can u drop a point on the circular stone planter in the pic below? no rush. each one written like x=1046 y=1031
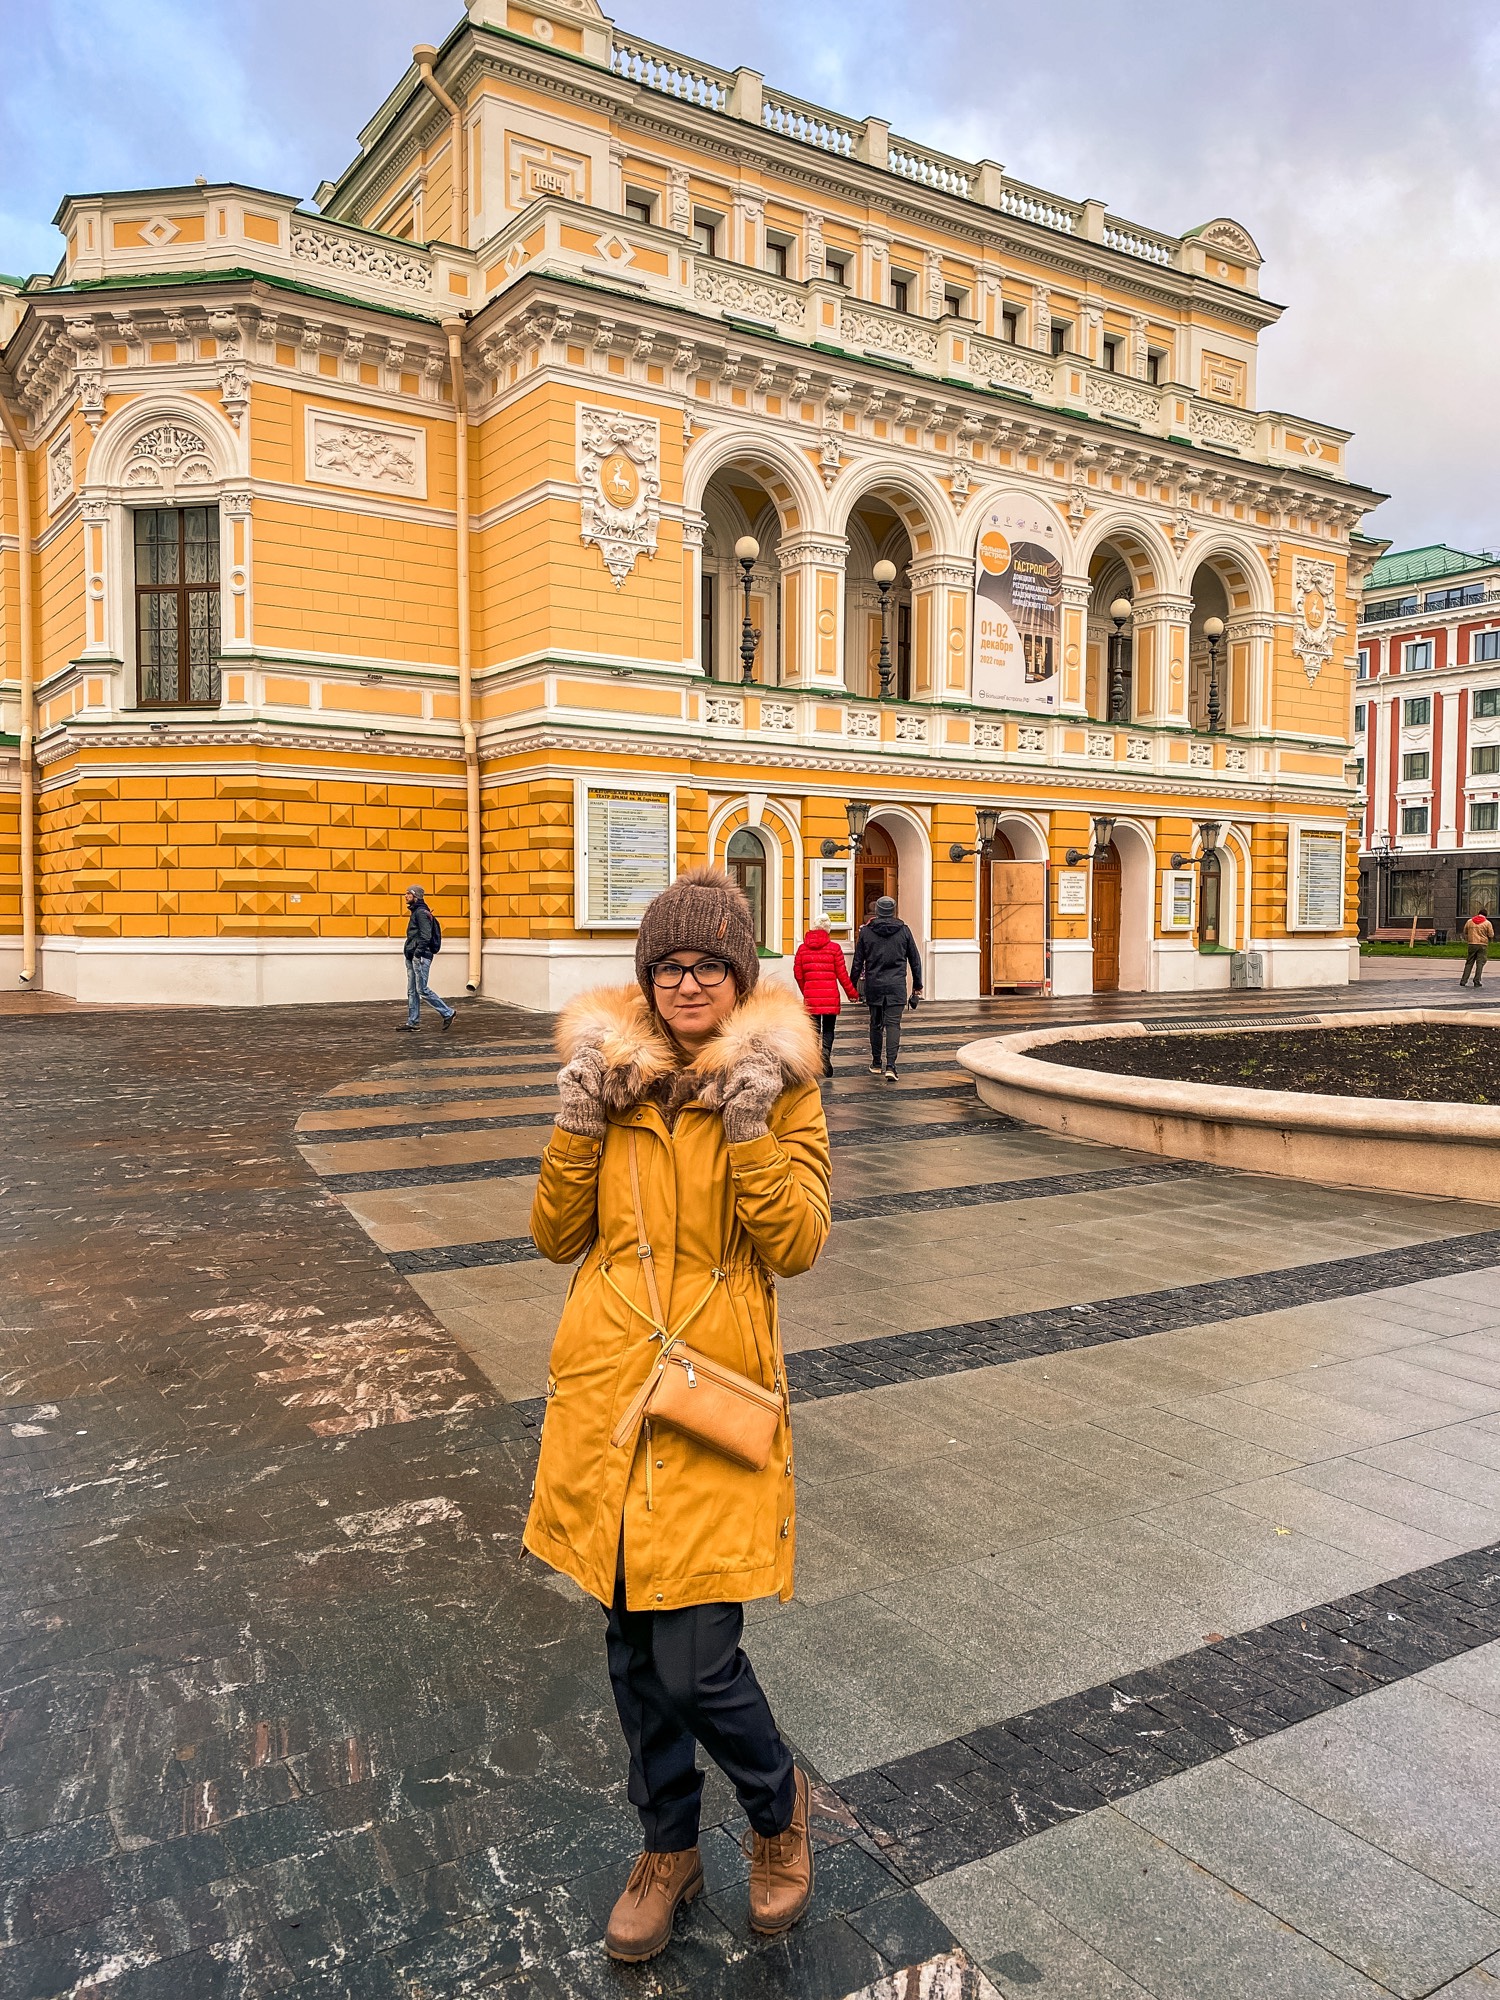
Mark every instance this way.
x=1381 y=1142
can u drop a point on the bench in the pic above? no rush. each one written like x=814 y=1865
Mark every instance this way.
x=1405 y=935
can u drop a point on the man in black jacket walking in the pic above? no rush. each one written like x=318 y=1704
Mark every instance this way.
x=882 y=953
x=423 y=941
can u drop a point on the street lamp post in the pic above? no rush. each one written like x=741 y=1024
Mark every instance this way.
x=885 y=576
x=747 y=551
x=1119 y=611
x=1213 y=631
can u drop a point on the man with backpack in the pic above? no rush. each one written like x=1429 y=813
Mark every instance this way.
x=424 y=940
x=883 y=952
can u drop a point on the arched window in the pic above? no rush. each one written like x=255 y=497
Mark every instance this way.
x=747 y=866
x=1210 y=885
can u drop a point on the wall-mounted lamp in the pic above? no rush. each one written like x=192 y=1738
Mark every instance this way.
x=1208 y=839
x=1104 y=836
x=747 y=553
x=1213 y=631
x=885 y=576
x=986 y=822
x=857 y=812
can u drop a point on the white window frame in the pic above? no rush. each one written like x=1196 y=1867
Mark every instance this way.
x=778 y=239
x=1299 y=831
x=707 y=218
x=1484 y=805
x=648 y=199
x=1363 y=672
x=1490 y=633
x=1361 y=717
x=1423 y=806
x=599 y=782
x=1409 y=652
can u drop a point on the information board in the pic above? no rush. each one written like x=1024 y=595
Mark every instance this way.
x=831 y=893
x=1320 y=880
x=1177 y=900
x=1072 y=893
x=627 y=853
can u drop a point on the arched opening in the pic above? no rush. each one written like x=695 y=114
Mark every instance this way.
x=1105 y=929
x=1013 y=911
x=737 y=502
x=1208 y=668
x=1219 y=695
x=876 y=534
x=1137 y=853
x=1120 y=570
x=746 y=858
x=879 y=872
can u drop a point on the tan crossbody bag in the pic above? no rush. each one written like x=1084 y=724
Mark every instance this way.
x=714 y=1405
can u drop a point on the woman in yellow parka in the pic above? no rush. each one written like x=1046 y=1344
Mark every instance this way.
x=713 y=1084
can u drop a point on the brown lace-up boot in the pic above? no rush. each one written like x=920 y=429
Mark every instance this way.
x=640 y=1924
x=781 y=1871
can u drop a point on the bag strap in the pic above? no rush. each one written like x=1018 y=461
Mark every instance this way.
x=642 y=1247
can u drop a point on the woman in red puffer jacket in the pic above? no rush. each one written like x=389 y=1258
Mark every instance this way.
x=820 y=971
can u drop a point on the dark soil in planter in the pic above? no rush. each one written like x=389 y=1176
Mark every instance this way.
x=1424 y=1064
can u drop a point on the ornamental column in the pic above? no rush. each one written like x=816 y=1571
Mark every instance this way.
x=1251 y=648
x=1073 y=661
x=942 y=598
x=1159 y=690
x=694 y=528
x=812 y=610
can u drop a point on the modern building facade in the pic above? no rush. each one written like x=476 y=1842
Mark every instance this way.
x=1426 y=731
x=630 y=465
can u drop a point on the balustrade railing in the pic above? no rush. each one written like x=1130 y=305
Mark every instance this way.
x=675 y=76
x=806 y=123
x=811 y=125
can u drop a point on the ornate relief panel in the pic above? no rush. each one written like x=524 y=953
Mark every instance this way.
x=60 y=472
x=619 y=469
x=1313 y=584
x=1223 y=379
x=534 y=169
x=167 y=459
x=364 y=453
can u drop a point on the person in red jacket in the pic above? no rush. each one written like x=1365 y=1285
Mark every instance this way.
x=820 y=971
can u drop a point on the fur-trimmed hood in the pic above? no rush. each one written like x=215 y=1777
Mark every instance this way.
x=635 y=1051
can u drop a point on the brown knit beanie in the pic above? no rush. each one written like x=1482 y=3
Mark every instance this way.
x=702 y=911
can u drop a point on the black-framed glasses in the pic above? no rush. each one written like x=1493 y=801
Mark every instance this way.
x=707 y=972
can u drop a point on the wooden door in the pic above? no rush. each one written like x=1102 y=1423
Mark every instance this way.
x=1018 y=924
x=1106 y=927
x=877 y=872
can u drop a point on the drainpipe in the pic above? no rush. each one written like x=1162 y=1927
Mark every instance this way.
x=28 y=701
x=454 y=328
x=424 y=55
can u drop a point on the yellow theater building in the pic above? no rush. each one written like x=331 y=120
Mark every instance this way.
x=626 y=465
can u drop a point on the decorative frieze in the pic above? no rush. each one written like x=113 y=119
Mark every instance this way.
x=1236 y=759
x=1138 y=749
x=989 y=735
x=362 y=452
x=723 y=711
x=360 y=256
x=752 y=297
x=861 y=722
x=167 y=458
x=1029 y=737
x=1201 y=756
x=777 y=715
x=1099 y=743
x=619 y=470
x=890 y=334
x=911 y=729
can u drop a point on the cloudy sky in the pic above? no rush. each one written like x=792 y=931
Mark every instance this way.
x=1354 y=138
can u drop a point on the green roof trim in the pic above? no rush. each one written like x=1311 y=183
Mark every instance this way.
x=1424 y=565
x=237 y=276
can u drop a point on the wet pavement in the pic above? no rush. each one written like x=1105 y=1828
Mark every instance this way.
x=1147 y=1638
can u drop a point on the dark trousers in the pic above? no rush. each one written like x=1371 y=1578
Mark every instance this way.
x=885 y=1027
x=680 y=1679
x=827 y=1025
x=1475 y=963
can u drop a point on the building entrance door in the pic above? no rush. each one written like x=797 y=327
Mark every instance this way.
x=1106 y=925
x=1015 y=930
x=877 y=871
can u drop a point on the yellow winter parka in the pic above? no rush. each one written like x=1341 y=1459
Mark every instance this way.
x=698 y=1528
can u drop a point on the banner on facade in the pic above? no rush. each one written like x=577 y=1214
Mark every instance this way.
x=1017 y=616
